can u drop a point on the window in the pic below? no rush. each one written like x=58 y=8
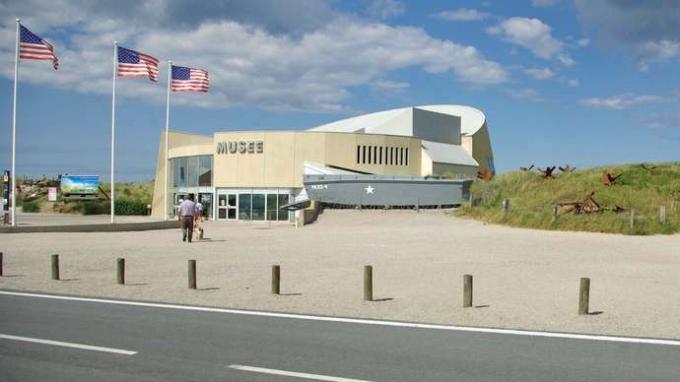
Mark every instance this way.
x=407 y=156
x=370 y=155
x=192 y=171
x=244 y=206
x=380 y=157
x=391 y=156
x=363 y=156
x=401 y=156
x=283 y=200
x=257 y=207
x=205 y=171
x=358 y=154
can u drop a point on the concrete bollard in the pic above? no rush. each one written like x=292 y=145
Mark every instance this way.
x=120 y=271
x=0 y=263
x=55 y=267
x=662 y=214
x=467 y=291
x=554 y=215
x=506 y=205
x=368 y=283
x=471 y=201
x=632 y=218
x=192 y=274
x=584 y=296
x=276 y=279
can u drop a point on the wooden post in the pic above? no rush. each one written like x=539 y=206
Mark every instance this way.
x=662 y=214
x=120 y=271
x=506 y=205
x=471 y=200
x=467 y=291
x=584 y=296
x=55 y=267
x=0 y=263
x=368 y=283
x=632 y=218
x=192 y=274
x=554 y=215
x=276 y=279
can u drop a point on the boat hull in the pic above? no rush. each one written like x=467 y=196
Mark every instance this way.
x=372 y=190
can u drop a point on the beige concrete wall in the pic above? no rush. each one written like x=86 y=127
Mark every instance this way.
x=181 y=144
x=282 y=162
x=426 y=164
x=453 y=171
x=481 y=147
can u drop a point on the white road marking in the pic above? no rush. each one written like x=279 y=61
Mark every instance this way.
x=67 y=344
x=316 y=377
x=415 y=325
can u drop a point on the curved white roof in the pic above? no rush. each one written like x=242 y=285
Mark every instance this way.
x=471 y=119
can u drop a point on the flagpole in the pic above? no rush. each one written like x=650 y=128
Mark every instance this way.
x=113 y=131
x=14 y=131
x=167 y=139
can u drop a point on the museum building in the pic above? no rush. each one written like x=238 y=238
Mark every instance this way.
x=257 y=175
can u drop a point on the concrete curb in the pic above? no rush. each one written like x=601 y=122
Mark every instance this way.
x=118 y=227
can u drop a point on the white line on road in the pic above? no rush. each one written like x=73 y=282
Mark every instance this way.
x=294 y=374
x=67 y=344
x=530 y=333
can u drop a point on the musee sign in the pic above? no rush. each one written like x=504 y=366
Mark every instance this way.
x=240 y=147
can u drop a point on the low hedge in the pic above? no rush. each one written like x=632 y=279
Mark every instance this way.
x=95 y=208
x=30 y=206
x=130 y=207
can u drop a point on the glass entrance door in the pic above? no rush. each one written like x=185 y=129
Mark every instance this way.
x=227 y=206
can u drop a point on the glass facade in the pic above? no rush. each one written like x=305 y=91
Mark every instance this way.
x=257 y=205
x=193 y=171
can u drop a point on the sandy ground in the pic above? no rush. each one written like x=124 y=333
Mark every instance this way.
x=522 y=278
x=49 y=219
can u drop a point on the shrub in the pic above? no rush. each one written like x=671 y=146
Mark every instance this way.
x=95 y=208
x=31 y=206
x=130 y=207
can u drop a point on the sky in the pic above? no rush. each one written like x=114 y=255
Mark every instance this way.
x=580 y=82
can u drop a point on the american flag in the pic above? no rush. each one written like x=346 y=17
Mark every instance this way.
x=189 y=79
x=32 y=47
x=135 y=64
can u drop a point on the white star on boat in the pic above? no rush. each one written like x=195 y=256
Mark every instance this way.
x=369 y=189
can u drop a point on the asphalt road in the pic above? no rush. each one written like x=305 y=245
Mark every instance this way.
x=186 y=345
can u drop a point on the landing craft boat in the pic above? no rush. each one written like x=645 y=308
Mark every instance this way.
x=394 y=191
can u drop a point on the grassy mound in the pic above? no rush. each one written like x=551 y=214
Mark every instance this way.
x=131 y=199
x=532 y=198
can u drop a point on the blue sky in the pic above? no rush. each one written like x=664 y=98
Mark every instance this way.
x=585 y=82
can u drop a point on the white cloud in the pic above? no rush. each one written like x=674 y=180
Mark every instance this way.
x=544 y=3
x=384 y=9
x=462 y=14
x=539 y=73
x=389 y=86
x=572 y=83
x=621 y=101
x=528 y=94
x=534 y=35
x=647 y=30
x=656 y=51
x=583 y=42
x=312 y=70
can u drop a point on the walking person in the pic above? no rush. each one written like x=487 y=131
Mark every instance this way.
x=198 y=220
x=187 y=211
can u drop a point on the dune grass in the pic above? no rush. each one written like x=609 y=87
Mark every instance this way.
x=532 y=199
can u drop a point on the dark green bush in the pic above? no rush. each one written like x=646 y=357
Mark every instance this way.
x=95 y=208
x=31 y=206
x=130 y=207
